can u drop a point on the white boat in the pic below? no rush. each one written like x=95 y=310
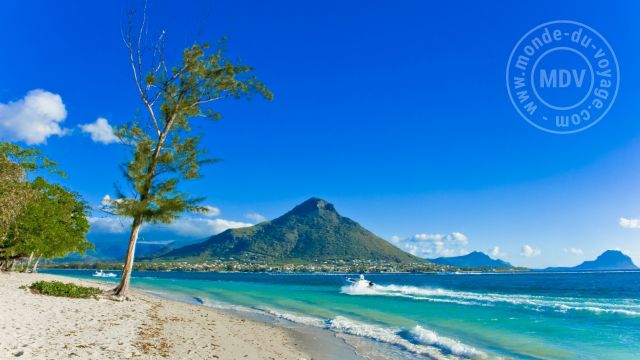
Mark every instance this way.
x=360 y=282
x=101 y=273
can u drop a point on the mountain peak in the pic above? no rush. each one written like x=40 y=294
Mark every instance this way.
x=611 y=253
x=312 y=204
x=311 y=231
x=608 y=260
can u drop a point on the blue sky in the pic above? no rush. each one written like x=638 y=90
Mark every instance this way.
x=396 y=113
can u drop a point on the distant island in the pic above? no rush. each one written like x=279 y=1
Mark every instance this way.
x=608 y=260
x=474 y=259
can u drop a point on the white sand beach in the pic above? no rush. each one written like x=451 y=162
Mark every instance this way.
x=36 y=326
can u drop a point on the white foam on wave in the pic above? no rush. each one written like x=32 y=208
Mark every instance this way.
x=428 y=337
x=297 y=318
x=424 y=342
x=228 y=307
x=533 y=302
x=419 y=341
x=412 y=292
x=389 y=336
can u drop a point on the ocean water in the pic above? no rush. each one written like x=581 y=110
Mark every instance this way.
x=440 y=316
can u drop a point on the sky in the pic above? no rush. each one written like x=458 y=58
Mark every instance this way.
x=397 y=113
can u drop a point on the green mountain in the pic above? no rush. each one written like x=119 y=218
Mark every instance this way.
x=313 y=230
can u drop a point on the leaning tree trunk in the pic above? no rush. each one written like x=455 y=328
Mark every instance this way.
x=35 y=265
x=122 y=289
x=28 y=264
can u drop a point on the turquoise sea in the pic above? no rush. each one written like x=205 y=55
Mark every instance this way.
x=441 y=316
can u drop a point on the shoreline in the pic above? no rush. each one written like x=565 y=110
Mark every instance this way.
x=146 y=327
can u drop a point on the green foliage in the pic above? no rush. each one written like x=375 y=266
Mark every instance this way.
x=15 y=194
x=165 y=151
x=28 y=159
x=58 y=288
x=52 y=225
x=37 y=218
x=311 y=231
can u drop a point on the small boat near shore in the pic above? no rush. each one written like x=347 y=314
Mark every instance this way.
x=103 y=274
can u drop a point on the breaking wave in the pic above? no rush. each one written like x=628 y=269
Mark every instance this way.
x=417 y=340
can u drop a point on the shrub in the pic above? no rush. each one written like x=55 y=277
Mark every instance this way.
x=58 y=288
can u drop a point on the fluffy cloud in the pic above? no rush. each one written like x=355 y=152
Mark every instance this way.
x=100 y=131
x=212 y=211
x=528 y=251
x=106 y=200
x=433 y=245
x=629 y=223
x=255 y=217
x=185 y=226
x=495 y=252
x=573 y=251
x=33 y=118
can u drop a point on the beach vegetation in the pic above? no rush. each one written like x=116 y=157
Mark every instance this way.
x=61 y=289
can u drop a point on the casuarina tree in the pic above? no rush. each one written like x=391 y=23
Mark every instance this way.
x=164 y=148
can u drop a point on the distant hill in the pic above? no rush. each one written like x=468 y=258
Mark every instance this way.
x=313 y=230
x=475 y=259
x=113 y=247
x=608 y=260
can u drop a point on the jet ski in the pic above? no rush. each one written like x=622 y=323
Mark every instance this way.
x=103 y=274
x=360 y=282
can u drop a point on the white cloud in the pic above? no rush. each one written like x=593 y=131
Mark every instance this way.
x=255 y=217
x=200 y=227
x=495 y=252
x=573 y=251
x=156 y=242
x=629 y=223
x=100 y=131
x=110 y=224
x=433 y=245
x=184 y=226
x=33 y=118
x=528 y=251
x=212 y=211
x=106 y=200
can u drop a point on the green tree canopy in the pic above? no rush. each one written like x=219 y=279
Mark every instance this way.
x=53 y=225
x=15 y=194
x=37 y=218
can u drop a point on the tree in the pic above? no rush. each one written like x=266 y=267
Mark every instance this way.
x=15 y=163
x=15 y=192
x=38 y=218
x=53 y=225
x=164 y=148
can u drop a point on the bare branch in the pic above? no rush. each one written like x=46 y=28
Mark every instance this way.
x=206 y=101
x=139 y=49
x=137 y=70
